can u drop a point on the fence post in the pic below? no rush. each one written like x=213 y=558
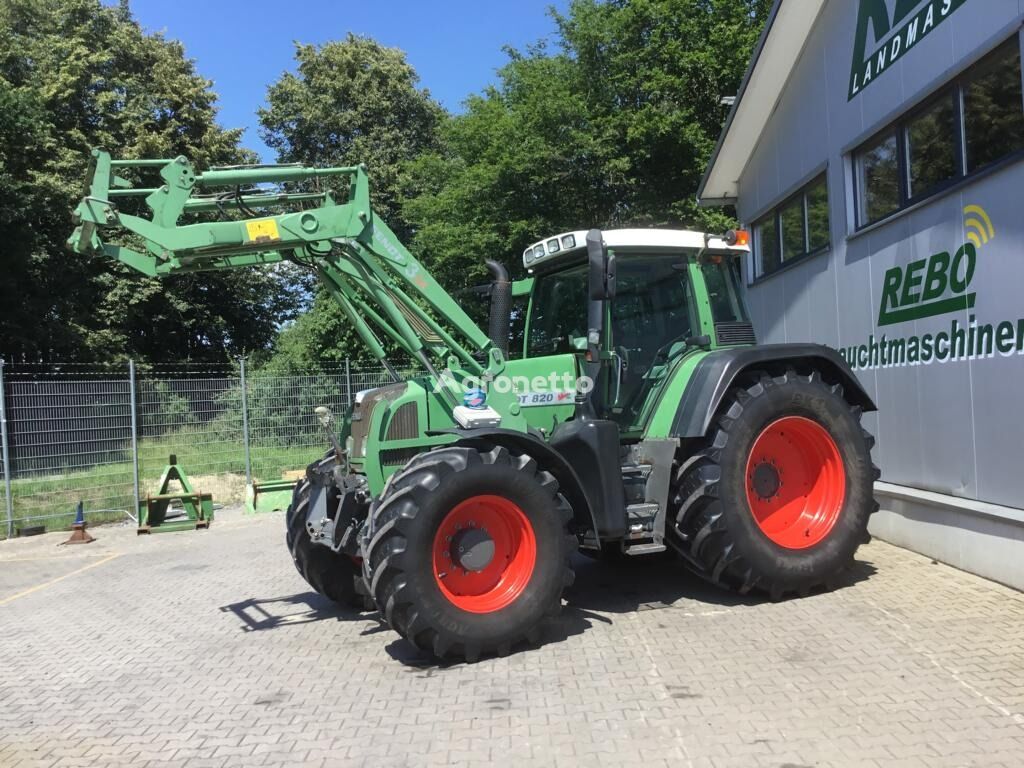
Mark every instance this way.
x=6 y=455
x=245 y=422
x=348 y=382
x=133 y=400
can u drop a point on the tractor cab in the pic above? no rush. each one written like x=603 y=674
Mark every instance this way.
x=674 y=292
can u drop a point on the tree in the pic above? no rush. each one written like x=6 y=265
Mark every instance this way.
x=654 y=73
x=21 y=150
x=613 y=128
x=75 y=74
x=524 y=160
x=351 y=101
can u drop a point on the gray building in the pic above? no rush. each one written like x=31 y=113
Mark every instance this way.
x=875 y=150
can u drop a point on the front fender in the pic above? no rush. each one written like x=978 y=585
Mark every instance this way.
x=551 y=460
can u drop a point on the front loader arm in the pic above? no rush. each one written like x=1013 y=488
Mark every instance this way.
x=377 y=282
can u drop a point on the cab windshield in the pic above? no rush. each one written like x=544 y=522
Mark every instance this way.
x=558 y=312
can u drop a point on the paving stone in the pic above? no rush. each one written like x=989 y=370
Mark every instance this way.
x=206 y=649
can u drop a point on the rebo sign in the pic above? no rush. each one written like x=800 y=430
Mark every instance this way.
x=911 y=22
x=938 y=285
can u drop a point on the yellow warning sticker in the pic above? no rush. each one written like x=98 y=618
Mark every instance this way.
x=262 y=231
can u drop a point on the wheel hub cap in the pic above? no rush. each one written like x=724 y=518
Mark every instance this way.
x=472 y=549
x=765 y=480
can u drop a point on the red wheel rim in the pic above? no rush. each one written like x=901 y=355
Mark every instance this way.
x=795 y=482
x=484 y=554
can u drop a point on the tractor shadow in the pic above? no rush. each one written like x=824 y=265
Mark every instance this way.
x=259 y=614
x=602 y=590
x=626 y=585
x=606 y=588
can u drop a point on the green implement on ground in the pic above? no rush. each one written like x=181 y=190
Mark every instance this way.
x=270 y=495
x=196 y=506
x=637 y=416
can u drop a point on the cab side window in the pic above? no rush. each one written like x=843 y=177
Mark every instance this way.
x=559 y=312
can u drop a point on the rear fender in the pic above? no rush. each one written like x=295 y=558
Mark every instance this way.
x=718 y=370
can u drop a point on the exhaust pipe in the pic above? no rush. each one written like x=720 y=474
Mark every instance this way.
x=501 y=306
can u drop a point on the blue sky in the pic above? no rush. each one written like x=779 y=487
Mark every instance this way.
x=243 y=45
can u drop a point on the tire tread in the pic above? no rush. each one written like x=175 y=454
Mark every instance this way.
x=387 y=536
x=700 y=533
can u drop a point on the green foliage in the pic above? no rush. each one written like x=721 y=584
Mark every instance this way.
x=75 y=74
x=610 y=125
x=351 y=101
x=320 y=338
x=612 y=129
x=162 y=407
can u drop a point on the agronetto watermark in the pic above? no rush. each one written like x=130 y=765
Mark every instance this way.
x=553 y=389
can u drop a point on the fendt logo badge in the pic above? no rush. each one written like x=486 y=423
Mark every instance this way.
x=939 y=284
x=911 y=22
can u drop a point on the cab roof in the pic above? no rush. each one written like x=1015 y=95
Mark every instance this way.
x=566 y=244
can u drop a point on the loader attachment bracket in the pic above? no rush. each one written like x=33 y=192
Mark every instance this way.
x=337 y=509
x=154 y=509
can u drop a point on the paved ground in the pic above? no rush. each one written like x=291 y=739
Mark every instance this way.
x=206 y=649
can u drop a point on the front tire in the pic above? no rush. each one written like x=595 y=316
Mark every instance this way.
x=469 y=551
x=332 y=574
x=778 y=498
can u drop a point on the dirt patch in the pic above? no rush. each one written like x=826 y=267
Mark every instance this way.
x=226 y=488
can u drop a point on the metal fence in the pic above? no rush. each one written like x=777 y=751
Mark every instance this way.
x=103 y=435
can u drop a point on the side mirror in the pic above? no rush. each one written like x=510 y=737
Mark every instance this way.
x=602 y=267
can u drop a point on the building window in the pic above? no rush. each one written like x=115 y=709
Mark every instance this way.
x=993 y=116
x=968 y=125
x=793 y=230
x=878 y=178
x=767 y=246
x=817 y=216
x=931 y=150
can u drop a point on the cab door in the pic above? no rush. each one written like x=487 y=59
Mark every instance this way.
x=652 y=316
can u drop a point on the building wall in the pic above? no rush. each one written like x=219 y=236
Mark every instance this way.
x=952 y=427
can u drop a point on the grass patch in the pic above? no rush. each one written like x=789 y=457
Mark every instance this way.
x=215 y=465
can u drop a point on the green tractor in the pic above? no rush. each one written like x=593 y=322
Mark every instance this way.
x=638 y=416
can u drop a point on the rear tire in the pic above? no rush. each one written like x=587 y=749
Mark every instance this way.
x=738 y=523
x=333 y=575
x=511 y=518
